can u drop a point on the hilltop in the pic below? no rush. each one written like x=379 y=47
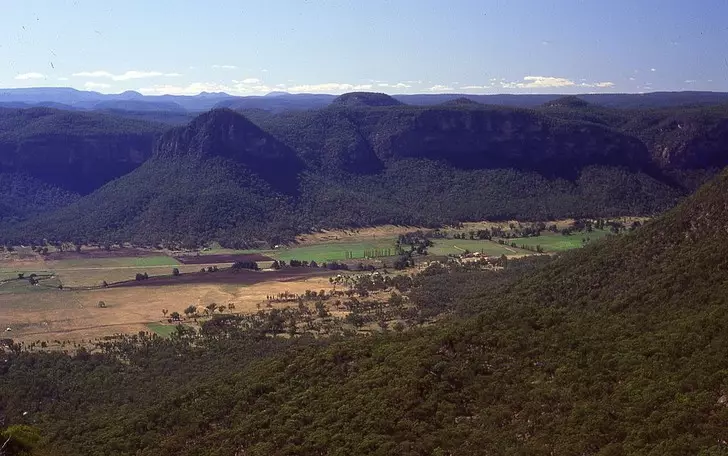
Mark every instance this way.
x=363 y=99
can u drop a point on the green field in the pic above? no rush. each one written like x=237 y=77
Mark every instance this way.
x=458 y=246
x=328 y=252
x=23 y=286
x=557 y=242
x=161 y=329
x=120 y=262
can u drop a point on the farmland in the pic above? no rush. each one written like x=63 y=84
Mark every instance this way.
x=62 y=302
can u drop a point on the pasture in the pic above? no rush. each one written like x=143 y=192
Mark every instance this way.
x=459 y=246
x=64 y=305
x=557 y=242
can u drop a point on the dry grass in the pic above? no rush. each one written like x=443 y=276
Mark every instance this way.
x=75 y=315
x=383 y=231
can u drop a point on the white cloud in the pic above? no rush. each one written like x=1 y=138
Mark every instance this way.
x=631 y=79
x=413 y=82
x=476 y=87
x=126 y=76
x=224 y=67
x=399 y=85
x=251 y=81
x=63 y=79
x=93 y=74
x=328 y=87
x=539 y=82
x=96 y=85
x=690 y=81
x=440 y=88
x=192 y=89
x=26 y=76
x=545 y=42
x=653 y=69
x=551 y=82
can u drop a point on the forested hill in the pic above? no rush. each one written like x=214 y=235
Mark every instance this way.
x=366 y=159
x=615 y=349
x=49 y=157
x=352 y=166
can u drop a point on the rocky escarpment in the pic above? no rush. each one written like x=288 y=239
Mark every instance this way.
x=74 y=151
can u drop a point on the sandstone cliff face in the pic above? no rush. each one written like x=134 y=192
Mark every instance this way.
x=77 y=164
x=688 y=144
x=498 y=138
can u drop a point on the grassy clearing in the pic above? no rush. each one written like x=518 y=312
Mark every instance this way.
x=330 y=251
x=162 y=330
x=79 y=277
x=458 y=246
x=116 y=262
x=24 y=287
x=557 y=242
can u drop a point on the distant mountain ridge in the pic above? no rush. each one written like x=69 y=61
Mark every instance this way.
x=68 y=98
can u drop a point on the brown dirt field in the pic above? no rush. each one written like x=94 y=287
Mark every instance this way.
x=351 y=235
x=244 y=277
x=219 y=259
x=75 y=315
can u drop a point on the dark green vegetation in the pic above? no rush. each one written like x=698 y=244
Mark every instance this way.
x=364 y=160
x=50 y=157
x=617 y=348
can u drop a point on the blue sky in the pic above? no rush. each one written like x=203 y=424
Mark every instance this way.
x=396 y=46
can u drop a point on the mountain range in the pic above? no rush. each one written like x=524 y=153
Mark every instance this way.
x=616 y=348
x=131 y=101
x=241 y=177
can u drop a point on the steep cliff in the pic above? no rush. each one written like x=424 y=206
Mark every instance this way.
x=74 y=151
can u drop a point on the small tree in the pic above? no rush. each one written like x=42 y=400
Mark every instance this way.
x=175 y=272
x=231 y=306
x=175 y=316
x=102 y=305
x=164 y=312
x=190 y=310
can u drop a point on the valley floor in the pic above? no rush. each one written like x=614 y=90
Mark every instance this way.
x=64 y=305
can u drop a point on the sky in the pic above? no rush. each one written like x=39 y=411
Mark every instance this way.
x=397 y=46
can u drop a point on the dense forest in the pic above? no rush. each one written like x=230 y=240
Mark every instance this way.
x=366 y=159
x=617 y=348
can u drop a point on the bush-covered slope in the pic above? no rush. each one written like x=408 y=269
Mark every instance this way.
x=74 y=151
x=368 y=159
x=618 y=348
x=354 y=167
x=218 y=178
